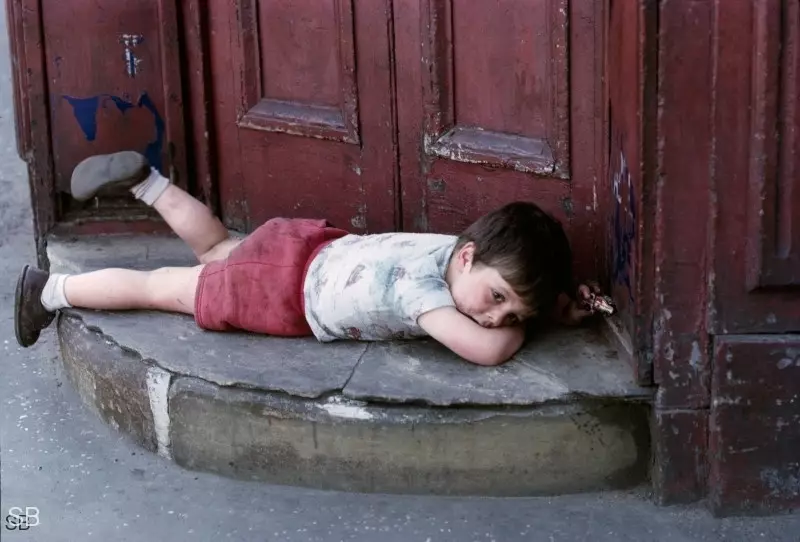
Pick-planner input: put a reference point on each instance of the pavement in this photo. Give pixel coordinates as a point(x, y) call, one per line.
point(82, 481)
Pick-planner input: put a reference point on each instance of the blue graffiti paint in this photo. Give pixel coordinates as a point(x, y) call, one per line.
point(624, 227)
point(153, 150)
point(121, 103)
point(85, 112)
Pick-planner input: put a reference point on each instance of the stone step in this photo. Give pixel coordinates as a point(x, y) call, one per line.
point(563, 416)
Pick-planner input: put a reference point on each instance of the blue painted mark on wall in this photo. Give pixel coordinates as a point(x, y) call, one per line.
point(624, 226)
point(85, 112)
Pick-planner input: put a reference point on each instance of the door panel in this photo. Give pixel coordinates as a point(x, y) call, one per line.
point(299, 84)
point(773, 251)
point(486, 105)
point(756, 276)
point(304, 112)
point(495, 94)
point(753, 428)
point(109, 88)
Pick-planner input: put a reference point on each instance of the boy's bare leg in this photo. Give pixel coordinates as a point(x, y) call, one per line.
point(39, 295)
point(194, 223)
point(169, 289)
point(188, 217)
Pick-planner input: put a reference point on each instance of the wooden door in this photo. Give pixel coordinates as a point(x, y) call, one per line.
point(303, 111)
point(756, 270)
point(499, 101)
point(754, 276)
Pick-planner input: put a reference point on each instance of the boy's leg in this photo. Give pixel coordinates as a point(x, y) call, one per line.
point(190, 219)
point(169, 289)
point(194, 223)
point(39, 294)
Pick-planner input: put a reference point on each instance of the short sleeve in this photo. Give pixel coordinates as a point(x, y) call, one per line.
point(416, 295)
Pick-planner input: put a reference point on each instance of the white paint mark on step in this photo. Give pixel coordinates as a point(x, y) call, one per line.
point(344, 408)
point(158, 381)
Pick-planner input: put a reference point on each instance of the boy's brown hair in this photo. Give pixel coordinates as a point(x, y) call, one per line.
point(529, 249)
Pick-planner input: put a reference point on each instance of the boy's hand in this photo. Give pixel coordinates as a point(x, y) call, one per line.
point(572, 312)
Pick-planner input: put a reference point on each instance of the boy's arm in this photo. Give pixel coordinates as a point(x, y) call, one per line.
point(469, 340)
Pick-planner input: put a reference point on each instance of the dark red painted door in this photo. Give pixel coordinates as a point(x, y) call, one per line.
point(303, 111)
point(493, 101)
point(756, 270)
point(755, 273)
point(499, 101)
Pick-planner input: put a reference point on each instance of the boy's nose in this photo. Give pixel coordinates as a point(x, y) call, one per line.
point(493, 318)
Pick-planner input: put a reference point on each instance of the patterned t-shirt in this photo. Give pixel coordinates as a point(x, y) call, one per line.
point(374, 287)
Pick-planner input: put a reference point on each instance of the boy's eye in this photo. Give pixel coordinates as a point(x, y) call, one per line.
point(512, 319)
point(498, 297)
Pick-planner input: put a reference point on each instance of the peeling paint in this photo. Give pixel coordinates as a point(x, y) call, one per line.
point(436, 185)
point(129, 41)
point(695, 358)
point(566, 204)
point(718, 401)
point(669, 352)
point(360, 220)
point(772, 319)
point(780, 483)
point(743, 450)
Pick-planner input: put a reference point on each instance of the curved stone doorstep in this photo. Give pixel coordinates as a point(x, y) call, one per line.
point(410, 372)
point(337, 443)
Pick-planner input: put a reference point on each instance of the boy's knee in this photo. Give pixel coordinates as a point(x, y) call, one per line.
point(154, 290)
point(172, 288)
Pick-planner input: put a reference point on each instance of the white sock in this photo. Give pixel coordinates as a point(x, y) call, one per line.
point(53, 296)
point(151, 188)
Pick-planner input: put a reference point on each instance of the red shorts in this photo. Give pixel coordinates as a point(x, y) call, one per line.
point(259, 286)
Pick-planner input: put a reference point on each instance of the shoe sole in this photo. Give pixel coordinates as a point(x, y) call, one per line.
point(18, 309)
point(108, 174)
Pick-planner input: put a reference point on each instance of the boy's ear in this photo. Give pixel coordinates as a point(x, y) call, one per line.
point(466, 255)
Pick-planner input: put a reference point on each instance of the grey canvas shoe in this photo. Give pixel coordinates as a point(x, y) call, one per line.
point(106, 171)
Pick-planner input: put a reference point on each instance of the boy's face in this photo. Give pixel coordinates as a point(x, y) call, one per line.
point(481, 293)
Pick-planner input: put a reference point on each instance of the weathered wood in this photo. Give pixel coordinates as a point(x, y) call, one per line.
point(114, 86)
point(680, 447)
point(491, 104)
point(755, 424)
point(300, 130)
point(629, 195)
point(194, 49)
point(680, 336)
point(755, 274)
point(34, 97)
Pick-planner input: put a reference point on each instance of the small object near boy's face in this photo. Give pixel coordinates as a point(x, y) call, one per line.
point(600, 303)
point(481, 293)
